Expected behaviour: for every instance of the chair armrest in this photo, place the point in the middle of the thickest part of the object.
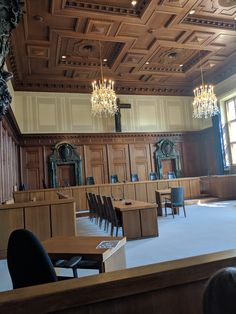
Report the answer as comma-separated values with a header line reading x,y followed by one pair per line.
x,y
71,263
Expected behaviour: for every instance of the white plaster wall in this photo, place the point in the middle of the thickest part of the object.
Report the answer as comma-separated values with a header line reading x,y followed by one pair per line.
x,y
70,113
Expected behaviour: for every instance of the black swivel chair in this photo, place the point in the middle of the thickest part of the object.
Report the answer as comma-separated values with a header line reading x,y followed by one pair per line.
x,y
176,201
134,177
28,262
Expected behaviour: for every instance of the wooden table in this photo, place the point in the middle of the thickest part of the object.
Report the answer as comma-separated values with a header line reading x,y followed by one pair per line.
x,y
109,259
139,219
159,199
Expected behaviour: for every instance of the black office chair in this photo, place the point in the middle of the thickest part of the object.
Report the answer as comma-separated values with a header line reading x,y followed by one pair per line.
x,y
28,262
134,177
90,181
153,176
176,201
114,178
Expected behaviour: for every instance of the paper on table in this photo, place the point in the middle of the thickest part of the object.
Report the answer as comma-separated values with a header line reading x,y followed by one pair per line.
x,y
107,244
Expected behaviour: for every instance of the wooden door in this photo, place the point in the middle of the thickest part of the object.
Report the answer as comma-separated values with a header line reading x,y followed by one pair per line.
x,y
32,166
118,156
66,175
140,161
167,165
96,163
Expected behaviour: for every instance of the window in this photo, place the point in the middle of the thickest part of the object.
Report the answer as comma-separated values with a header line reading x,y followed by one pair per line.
x,y
229,131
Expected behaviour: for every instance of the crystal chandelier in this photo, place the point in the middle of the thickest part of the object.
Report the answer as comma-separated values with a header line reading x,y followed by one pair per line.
x,y
103,96
205,101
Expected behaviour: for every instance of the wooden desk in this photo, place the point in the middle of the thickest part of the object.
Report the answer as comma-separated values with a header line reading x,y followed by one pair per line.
x,y
159,195
139,219
66,247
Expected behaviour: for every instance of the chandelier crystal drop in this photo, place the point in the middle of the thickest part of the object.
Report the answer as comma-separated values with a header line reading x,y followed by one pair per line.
x,y
104,100
205,102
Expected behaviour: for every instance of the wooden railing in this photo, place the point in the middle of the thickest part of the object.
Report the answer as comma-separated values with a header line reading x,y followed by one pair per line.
x,y
174,287
220,186
45,218
141,191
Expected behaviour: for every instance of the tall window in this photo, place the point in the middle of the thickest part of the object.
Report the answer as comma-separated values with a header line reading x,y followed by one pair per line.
x,y
229,131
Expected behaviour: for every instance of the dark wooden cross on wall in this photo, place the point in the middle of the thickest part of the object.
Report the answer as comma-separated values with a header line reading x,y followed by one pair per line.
x,y
118,114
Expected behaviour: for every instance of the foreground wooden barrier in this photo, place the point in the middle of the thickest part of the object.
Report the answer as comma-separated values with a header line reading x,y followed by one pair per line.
x,y
45,218
140,191
174,287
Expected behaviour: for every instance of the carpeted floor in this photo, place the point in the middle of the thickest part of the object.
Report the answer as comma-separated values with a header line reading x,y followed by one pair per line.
x,y
208,228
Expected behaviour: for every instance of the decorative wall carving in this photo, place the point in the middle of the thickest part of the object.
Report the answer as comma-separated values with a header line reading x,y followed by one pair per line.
x,y
64,154
10,13
166,150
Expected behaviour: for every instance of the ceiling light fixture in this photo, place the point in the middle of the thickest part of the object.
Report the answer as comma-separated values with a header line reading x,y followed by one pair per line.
x,y
103,97
133,3
205,101
192,12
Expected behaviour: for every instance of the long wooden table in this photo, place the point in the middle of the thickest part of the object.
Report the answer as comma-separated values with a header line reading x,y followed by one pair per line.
x,y
110,259
139,219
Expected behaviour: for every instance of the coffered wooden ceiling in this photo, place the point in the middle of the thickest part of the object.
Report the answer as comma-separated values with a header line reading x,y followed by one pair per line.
x,y
154,48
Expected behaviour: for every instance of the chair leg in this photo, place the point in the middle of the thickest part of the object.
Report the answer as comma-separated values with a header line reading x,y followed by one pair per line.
x,y
165,211
112,228
184,211
75,273
173,212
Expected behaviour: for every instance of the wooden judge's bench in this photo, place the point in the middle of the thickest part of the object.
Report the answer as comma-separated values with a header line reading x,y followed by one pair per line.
x,y
141,191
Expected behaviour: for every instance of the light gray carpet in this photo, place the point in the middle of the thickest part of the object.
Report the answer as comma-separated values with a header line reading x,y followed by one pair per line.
x,y
208,228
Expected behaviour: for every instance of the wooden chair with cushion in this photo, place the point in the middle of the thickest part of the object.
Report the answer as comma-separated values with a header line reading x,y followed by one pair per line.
x,y
176,201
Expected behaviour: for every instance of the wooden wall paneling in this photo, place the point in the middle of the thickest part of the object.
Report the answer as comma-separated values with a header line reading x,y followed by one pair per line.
x,y
78,193
96,163
66,191
9,221
141,192
186,185
118,161
37,219
195,187
37,195
151,188
63,220
173,183
32,165
129,191
117,190
105,190
162,184
20,196
92,189
152,148
50,194
140,162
